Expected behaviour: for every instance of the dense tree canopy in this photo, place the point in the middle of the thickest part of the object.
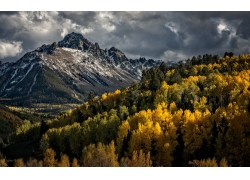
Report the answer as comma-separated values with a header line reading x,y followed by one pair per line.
x,y
195,113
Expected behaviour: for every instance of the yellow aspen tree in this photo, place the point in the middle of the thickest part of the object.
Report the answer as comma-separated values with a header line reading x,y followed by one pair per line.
x,y
3,163
209,163
104,97
87,156
122,133
145,159
177,118
223,163
49,158
234,94
141,117
243,99
139,159
142,138
19,163
165,143
75,163
201,106
160,114
146,133
135,141
172,107
204,163
192,134
157,134
161,94
64,161
188,128
40,163
135,160
112,157
100,155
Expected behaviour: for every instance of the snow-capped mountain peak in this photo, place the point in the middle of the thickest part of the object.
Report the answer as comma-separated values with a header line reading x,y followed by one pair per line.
x,y
67,71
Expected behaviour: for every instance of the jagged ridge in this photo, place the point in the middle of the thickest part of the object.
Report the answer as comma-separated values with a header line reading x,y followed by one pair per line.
x,y
67,71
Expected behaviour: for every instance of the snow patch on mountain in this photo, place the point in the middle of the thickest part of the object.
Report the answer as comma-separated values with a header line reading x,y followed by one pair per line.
x,y
78,64
31,66
34,81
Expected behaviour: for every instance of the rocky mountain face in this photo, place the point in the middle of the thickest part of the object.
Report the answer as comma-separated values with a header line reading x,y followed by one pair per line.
x,y
65,72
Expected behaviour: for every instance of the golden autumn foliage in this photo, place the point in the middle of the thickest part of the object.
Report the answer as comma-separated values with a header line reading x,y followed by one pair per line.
x,y
208,163
3,163
64,161
139,159
99,156
124,128
75,163
49,158
195,113
19,163
155,131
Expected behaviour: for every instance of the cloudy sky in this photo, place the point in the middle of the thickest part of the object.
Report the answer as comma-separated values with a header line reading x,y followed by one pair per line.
x,y
158,35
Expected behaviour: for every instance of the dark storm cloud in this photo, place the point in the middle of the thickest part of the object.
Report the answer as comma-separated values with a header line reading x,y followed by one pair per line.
x,y
158,35
207,35
244,29
82,18
31,29
8,12
143,33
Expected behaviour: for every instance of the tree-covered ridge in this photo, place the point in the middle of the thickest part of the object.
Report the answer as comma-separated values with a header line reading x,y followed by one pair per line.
x,y
8,122
193,114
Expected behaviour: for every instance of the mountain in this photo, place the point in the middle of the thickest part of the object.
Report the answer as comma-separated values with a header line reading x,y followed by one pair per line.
x,y
65,72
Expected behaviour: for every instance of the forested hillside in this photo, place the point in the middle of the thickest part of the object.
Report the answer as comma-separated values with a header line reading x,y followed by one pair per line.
x,y
8,122
195,113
